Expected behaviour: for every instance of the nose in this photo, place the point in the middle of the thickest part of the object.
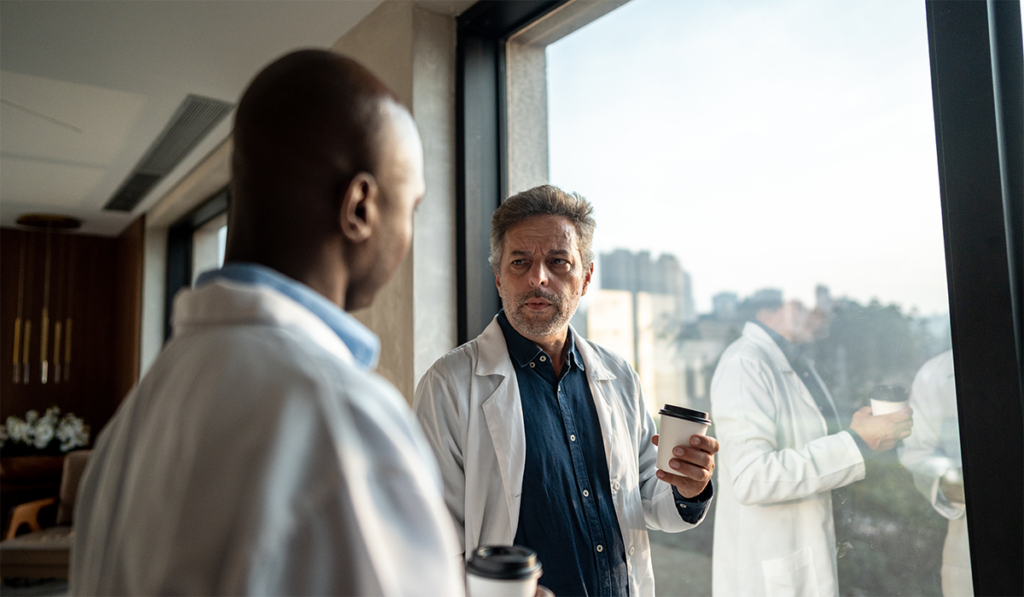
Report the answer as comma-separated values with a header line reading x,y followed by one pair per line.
x,y
538,274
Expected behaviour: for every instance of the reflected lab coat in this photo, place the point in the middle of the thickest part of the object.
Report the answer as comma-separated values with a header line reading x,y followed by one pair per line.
x,y
932,450
468,403
774,533
255,458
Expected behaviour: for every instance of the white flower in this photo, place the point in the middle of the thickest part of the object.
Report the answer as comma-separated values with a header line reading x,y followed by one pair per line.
x,y
72,433
31,416
43,433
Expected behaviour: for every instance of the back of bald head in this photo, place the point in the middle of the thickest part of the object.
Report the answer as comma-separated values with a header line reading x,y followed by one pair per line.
x,y
306,125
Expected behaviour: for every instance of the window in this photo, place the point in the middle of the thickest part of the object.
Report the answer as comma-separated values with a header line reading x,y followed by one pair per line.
x,y
194,244
208,244
775,162
785,135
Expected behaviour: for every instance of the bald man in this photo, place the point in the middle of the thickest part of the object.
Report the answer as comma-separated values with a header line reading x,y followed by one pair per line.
x,y
260,455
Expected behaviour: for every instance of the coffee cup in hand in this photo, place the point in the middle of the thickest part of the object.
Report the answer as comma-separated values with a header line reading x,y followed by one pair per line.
x,y
503,571
888,399
678,425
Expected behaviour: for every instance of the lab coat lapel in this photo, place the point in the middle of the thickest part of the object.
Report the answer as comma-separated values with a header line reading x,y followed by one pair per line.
x,y
503,411
600,378
781,363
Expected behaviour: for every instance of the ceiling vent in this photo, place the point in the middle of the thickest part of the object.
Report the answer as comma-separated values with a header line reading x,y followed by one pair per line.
x,y
195,117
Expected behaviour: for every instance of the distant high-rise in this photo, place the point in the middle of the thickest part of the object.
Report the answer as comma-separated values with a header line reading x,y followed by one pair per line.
x,y
823,298
641,305
637,272
724,304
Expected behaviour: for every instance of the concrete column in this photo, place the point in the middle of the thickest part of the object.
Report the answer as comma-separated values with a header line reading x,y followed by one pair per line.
x,y
413,51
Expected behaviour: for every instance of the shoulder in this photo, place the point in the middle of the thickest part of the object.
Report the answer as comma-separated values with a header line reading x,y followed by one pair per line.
x,y
751,351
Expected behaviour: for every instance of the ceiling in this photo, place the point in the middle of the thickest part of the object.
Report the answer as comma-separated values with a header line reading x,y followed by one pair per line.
x,y
86,88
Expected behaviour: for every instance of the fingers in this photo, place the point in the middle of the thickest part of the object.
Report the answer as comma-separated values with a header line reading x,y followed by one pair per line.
x,y
690,470
705,443
654,440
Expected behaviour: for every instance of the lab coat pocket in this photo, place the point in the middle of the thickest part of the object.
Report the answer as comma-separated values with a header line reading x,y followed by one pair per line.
x,y
791,576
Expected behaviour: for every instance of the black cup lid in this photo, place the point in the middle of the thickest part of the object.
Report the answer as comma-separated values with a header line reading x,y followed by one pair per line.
x,y
889,393
689,414
507,562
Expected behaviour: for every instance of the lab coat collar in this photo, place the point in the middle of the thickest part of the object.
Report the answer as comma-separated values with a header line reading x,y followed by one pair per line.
x,y
361,342
495,360
761,338
222,302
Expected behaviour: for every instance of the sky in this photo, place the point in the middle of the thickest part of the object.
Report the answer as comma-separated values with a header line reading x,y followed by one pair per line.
x,y
765,143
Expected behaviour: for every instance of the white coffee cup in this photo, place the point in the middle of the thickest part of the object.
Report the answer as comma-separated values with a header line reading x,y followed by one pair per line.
x,y
503,571
678,425
888,399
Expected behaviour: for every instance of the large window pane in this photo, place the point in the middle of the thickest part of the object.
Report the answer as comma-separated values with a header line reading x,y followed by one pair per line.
x,y
774,161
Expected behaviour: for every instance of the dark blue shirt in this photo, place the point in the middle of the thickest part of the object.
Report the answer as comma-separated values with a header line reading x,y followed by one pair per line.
x,y
566,513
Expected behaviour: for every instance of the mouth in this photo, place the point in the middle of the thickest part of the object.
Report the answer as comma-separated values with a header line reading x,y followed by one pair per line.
x,y
538,304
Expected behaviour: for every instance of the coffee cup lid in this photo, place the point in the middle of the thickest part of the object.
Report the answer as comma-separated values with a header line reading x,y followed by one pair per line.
x,y
509,562
889,393
689,414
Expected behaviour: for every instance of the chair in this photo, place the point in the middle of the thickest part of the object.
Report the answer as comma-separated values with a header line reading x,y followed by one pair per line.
x,y
44,552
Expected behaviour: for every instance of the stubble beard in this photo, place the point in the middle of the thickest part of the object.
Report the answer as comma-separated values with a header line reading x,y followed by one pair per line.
x,y
537,326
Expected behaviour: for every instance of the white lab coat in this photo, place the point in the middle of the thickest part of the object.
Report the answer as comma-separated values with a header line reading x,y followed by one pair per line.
x,y
468,403
255,458
774,533
931,451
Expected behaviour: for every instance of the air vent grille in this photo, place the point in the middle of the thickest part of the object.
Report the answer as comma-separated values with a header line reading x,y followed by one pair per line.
x,y
192,121
132,191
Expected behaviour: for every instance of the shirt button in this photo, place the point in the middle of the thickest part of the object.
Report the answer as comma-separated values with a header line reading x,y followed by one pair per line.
x,y
615,486
533,365
572,438
630,550
586,493
600,548
542,359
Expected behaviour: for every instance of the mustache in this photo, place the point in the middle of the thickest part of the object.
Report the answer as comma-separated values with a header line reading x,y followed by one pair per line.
x,y
554,299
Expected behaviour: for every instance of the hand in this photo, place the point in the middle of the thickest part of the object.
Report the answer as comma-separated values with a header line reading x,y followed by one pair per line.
x,y
694,464
882,432
951,484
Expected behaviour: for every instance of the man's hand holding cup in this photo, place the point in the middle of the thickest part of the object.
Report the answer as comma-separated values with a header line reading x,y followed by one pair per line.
x,y
688,458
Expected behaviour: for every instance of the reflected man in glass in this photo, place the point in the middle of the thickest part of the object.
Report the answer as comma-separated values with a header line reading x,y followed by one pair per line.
x,y
784,449
933,455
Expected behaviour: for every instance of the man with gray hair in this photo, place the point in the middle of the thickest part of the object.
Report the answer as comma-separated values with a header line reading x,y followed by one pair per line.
x,y
543,438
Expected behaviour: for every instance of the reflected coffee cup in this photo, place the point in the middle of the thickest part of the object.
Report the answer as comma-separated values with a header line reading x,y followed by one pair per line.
x,y
888,399
678,425
503,571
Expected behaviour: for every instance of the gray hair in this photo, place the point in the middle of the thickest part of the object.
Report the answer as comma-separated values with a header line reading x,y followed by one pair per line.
x,y
545,200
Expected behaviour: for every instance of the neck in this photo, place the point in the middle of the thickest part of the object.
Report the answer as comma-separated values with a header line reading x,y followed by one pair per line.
x,y
555,346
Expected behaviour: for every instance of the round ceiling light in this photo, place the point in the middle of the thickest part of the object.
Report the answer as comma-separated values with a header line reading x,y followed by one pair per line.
x,y
50,221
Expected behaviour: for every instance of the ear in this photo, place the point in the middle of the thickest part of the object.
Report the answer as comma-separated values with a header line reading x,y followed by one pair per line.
x,y
497,281
360,208
587,277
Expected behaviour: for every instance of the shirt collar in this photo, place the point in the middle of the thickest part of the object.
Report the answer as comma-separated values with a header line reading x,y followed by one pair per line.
x,y
361,342
524,351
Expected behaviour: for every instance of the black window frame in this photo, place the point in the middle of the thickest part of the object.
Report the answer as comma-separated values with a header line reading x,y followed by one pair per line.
x,y
976,61
178,273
